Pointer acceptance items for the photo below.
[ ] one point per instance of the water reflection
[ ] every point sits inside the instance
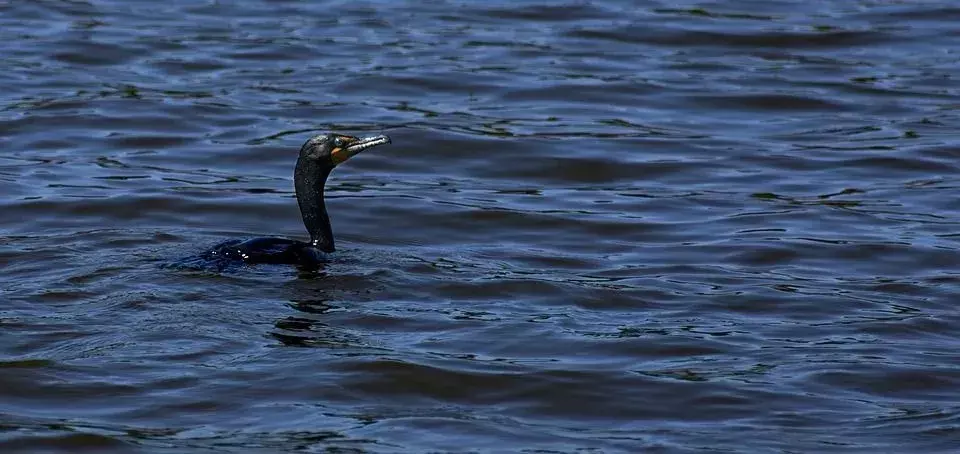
(311, 328)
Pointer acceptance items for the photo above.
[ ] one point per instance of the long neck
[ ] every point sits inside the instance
(308, 180)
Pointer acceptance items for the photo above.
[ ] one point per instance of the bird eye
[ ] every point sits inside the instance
(338, 142)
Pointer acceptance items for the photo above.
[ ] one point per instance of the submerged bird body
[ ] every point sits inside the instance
(279, 251)
(318, 157)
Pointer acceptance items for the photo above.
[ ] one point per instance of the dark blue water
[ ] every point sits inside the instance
(603, 226)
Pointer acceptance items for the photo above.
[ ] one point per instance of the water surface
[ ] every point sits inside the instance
(602, 226)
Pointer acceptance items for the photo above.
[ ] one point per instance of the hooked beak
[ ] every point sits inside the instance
(338, 155)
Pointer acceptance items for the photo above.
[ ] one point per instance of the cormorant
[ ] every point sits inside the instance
(318, 157)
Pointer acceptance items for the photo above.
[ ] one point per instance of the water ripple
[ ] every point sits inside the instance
(606, 226)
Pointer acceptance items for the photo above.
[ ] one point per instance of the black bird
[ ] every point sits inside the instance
(318, 157)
